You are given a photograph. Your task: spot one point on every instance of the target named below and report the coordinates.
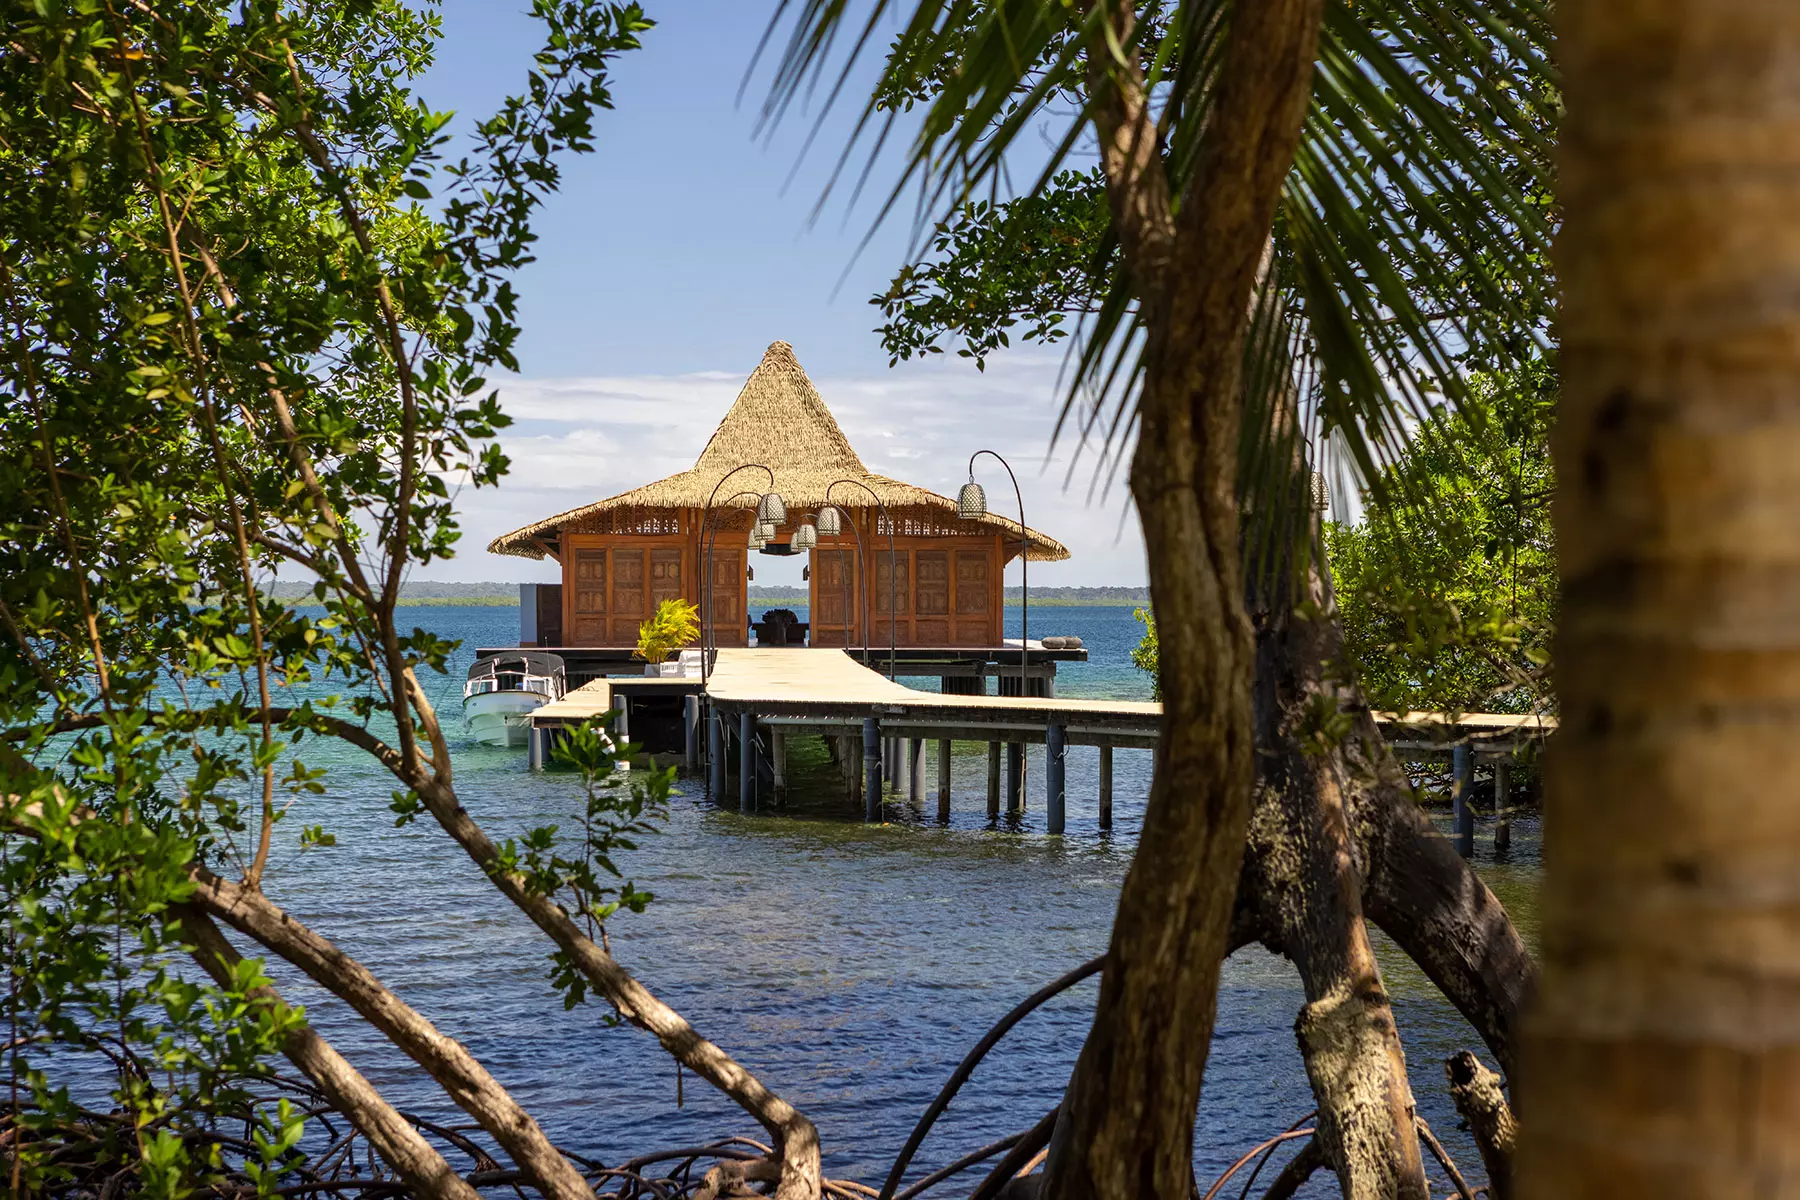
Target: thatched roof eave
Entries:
(778, 419)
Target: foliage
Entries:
(1453, 605)
(1145, 656)
(674, 624)
(1411, 243)
(239, 332)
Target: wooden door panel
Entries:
(728, 598)
(898, 596)
(932, 593)
(665, 575)
(931, 631)
(831, 590)
(973, 633)
(590, 581)
(628, 592)
(973, 580)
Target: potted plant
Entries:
(673, 625)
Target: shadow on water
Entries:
(850, 965)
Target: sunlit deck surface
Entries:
(826, 687)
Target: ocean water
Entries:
(849, 966)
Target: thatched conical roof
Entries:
(777, 419)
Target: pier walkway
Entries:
(878, 729)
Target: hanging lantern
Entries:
(971, 502)
(773, 508)
(759, 536)
(831, 522)
(768, 530)
(806, 536)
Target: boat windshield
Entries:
(516, 673)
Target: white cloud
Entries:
(576, 440)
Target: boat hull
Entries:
(501, 718)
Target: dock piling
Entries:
(993, 781)
(915, 771)
(1106, 787)
(1462, 766)
(1502, 804)
(746, 762)
(715, 751)
(1015, 778)
(690, 728)
(778, 763)
(1055, 754)
(871, 742)
(622, 723)
(943, 755)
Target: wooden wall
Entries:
(944, 592)
(948, 588)
(613, 581)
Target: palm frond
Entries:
(1413, 232)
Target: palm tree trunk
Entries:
(1661, 1058)
(1127, 1122)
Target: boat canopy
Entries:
(530, 662)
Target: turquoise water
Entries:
(849, 966)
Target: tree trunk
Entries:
(1127, 1121)
(463, 1078)
(1419, 891)
(1481, 1103)
(1660, 1060)
(400, 1145)
(1303, 876)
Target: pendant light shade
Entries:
(768, 530)
(806, 536)
(971, 502)
(773, 508)
(759, 536)
(831, 522)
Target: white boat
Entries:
(505, 689)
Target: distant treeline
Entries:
(498, 594)
(491, 593)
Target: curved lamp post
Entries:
(893, 575)
(707, 545)
(971, 504)
(769, 507)
(831, 524)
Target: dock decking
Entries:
(785, 690)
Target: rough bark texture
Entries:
(1419, 891)
(1302, 874)
(1661, 1057)
(400, 1145)
(1299, 1169)
(463, 1079)
(1129, 1109)
(1481, 1102)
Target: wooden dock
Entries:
(754, 699)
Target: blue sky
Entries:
(678, 251)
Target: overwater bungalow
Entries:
(623, 555)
